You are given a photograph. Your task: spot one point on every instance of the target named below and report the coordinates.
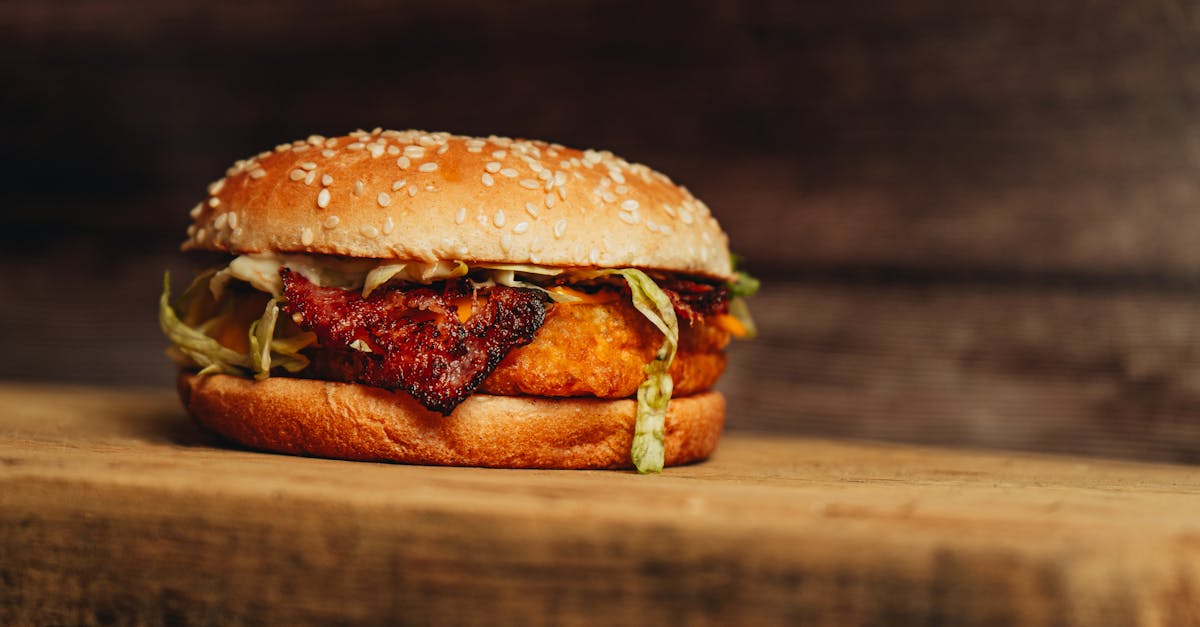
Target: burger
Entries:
(431, 298)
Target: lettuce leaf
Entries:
(654, 394)
(741, 312)
(416, 272)
(205, 351)
(193, 344)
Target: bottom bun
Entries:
(349, 421)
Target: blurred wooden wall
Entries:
(979, 222)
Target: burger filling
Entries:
(442, 331)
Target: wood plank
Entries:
(1090, 371)
(114, 508)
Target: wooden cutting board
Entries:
(114, 508)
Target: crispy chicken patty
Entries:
(602, 350)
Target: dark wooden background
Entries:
(979, 222)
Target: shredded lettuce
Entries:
(205, 351)
(415, 272)
(741, 287)
(654, 394)
(741, 312)
(266, 351)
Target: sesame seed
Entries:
(549, 201)
(412, 191)
(670, 211)
(296, 175)
(201, 235)
(415, 152)
(306, 236)
(608, 196)
(214, 202)
(358, 187)
(191, 230)
(323, 198)
(377, 130)
(616, 175)
(530, 184)
(383, 199)
(488, 180)
(398, 185)
(310, 177)
(426, 140)
(327, 153)
(622, 189)
(560, 227)
(258, 173)
(215, 187)
(521, 227)
(594, 256)
(264, 154)
(369, 231)
(629, 205)
(685, 215)
(233, 219)
(562, 193)
(428, 167)
(443, 149)
(220, 222)
(430, 187)
(498, 219)
(499, 154)
(331, 142)
(388, 225)
(509, 172)
(492, 166)
(461, 215)
(531, 209)
(308, 165)
(651, 225)
(330, 222)
(376, 150)
(628, 218)
(393, 150)
(283, 147)
(356, 146)
(403, 162)
(195, 212)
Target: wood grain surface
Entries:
(115, 509)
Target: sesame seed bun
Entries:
(347, 421)
(410, 195)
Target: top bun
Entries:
(417, 196)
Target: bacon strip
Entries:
(694, 300)
(415, 339)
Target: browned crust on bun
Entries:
(416, 196)
(348, 421)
